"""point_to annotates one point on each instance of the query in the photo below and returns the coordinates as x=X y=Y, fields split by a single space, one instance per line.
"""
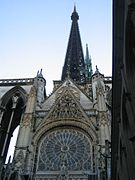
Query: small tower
x=88 y=65
x=74 y=60
x=36 y=97
x=98 y=87
x=40 y=84
x=97 y=83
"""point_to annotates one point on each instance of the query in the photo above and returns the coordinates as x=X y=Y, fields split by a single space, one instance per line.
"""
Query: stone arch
x=15 y=90
x=12 y=108
x=72 y=123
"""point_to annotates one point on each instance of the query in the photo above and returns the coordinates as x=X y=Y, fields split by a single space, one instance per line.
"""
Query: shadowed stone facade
x=123 y=111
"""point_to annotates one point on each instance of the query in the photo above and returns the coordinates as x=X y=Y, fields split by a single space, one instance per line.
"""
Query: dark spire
x=88 y=64
x=74 y=60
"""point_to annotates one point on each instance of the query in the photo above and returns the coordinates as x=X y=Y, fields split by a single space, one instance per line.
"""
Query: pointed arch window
x=13 y=106
x=12 y=144
x=65 y=148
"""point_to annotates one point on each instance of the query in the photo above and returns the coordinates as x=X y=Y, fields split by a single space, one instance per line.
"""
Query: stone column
x=25 y=133
x=15 y=101
x=2 y=110
x=103 y=120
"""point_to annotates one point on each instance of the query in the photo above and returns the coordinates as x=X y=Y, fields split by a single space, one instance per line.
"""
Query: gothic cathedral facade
x=65 y=135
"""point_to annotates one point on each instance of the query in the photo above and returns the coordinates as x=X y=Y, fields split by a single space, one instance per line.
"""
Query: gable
x=84 y=101
x=66 y=107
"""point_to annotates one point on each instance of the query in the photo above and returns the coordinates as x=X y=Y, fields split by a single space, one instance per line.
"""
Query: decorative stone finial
x=39 y=74
x=97 y=70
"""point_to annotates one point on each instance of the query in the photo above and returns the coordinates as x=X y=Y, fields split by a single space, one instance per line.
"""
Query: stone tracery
x=65 y=108
x=66 y=148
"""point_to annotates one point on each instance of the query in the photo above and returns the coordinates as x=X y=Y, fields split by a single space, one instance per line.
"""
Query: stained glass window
x=65 y=149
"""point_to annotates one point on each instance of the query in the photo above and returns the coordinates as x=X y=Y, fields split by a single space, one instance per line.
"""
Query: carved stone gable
x=66 y=107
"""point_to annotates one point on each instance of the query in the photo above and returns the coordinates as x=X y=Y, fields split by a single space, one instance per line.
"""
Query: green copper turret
x=88 y=65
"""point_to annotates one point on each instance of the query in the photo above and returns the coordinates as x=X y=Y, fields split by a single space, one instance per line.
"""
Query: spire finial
x=41 y=71
x=87 y=52
x=97 y=70
x=88 y=64
x=39 y=74
x=74 y=15
x=74 y=7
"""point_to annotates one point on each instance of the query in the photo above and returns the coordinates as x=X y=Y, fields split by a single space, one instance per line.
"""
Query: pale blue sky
x=34 y=35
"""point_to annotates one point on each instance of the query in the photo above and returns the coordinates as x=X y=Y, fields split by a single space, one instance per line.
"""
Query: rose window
x=64 y=149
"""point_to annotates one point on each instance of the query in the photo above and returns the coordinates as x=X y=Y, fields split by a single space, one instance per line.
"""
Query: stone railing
x=108 y=79
x=13 y=82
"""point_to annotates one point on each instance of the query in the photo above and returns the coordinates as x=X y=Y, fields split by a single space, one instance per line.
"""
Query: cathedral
x=63 y=136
